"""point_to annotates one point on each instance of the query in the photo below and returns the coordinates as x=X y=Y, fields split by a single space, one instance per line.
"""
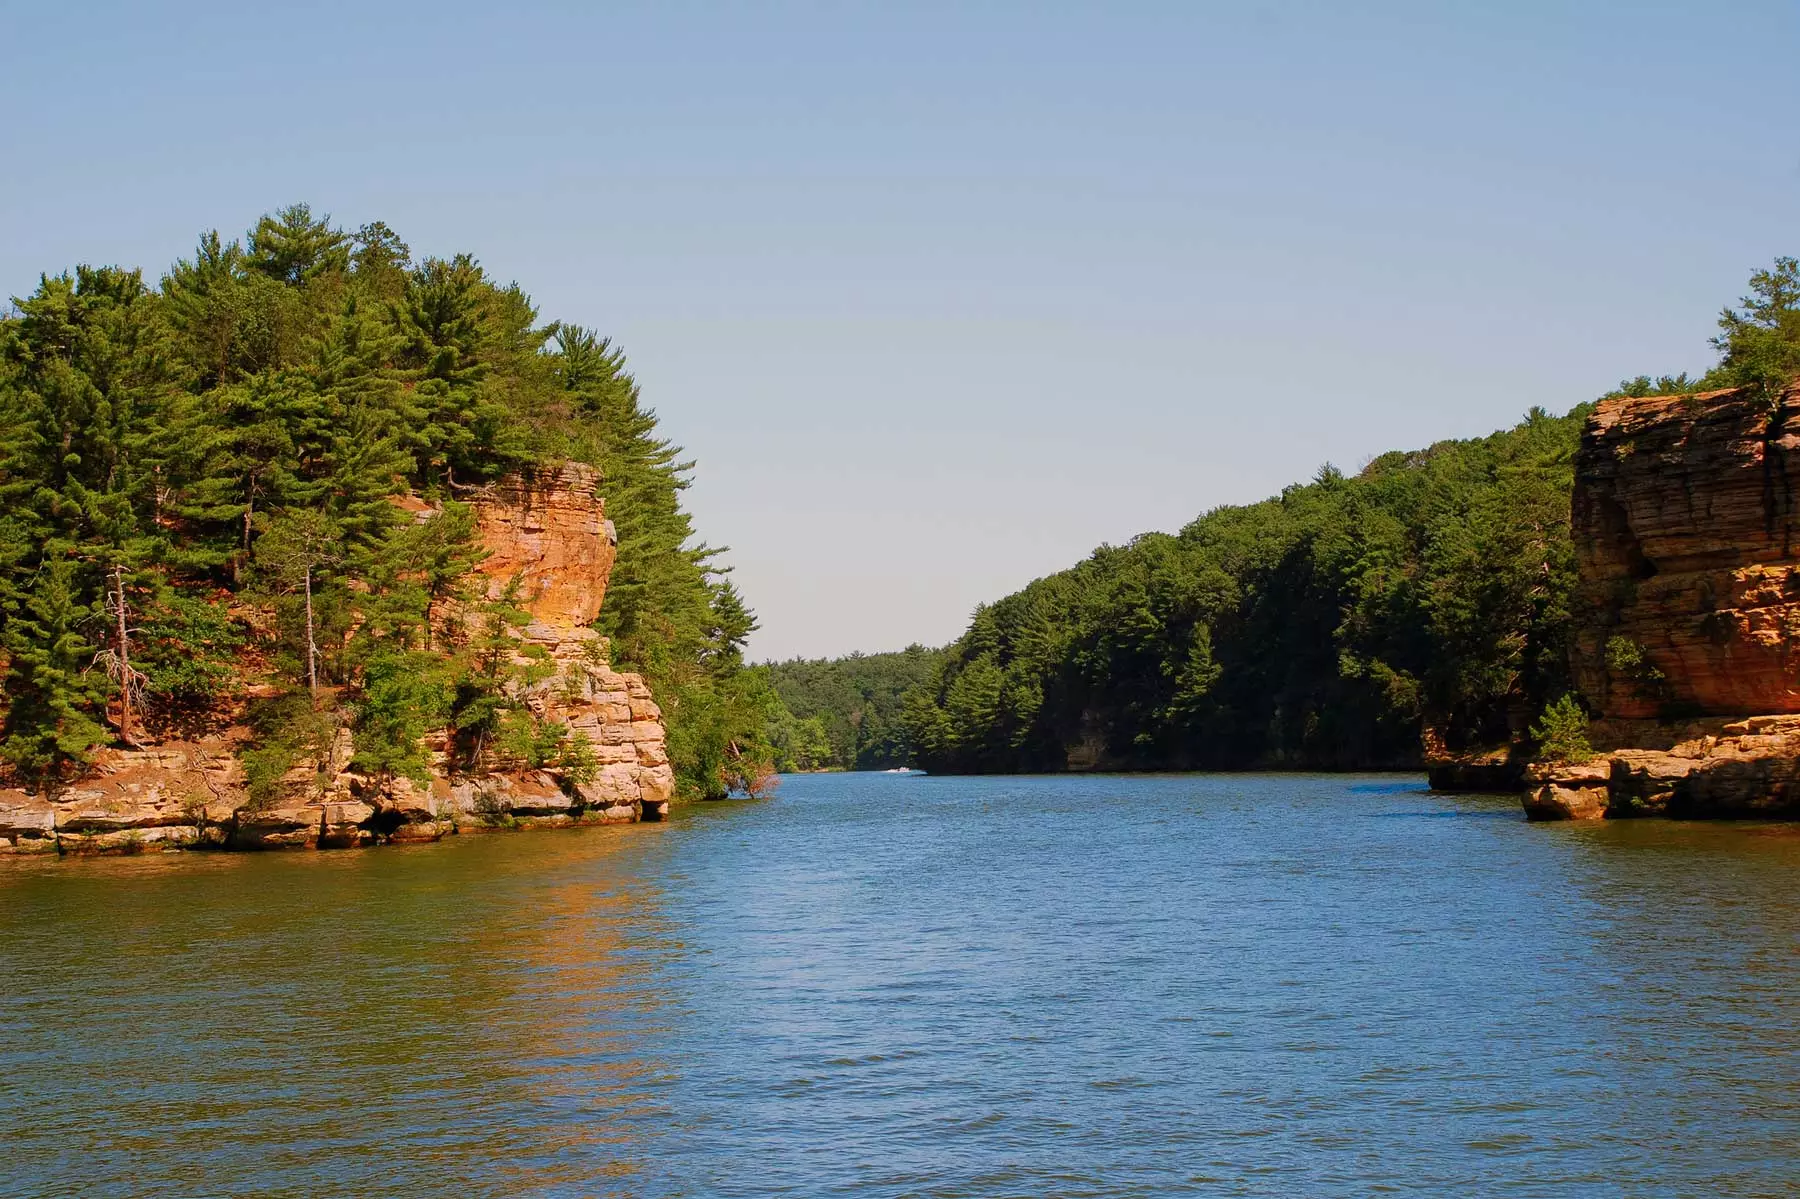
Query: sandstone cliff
x=1688 y=609
x=1684 y=524
x=549 y=532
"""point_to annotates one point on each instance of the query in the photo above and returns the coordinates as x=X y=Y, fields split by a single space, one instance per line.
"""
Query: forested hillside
x=1331 y=626
x=846 y=713
x=196 y=484
x=1317 y=628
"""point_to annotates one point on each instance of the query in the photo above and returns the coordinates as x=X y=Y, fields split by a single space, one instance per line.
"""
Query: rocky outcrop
x=549 y=531
x=1688 y=611
x=547 y=538
x=1747 y=768
x=1685 y=538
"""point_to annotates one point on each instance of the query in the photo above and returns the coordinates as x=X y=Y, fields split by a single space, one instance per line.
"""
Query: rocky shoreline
x=130 y=808
x=547 y=540
x=1737 y=769
x=188 y=795
x=1687 y=611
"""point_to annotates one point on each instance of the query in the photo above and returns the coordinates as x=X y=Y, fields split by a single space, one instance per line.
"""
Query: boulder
x=1571 y=791
x=25 y=815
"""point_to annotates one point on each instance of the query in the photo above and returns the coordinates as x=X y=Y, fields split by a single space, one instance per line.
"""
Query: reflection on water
x=898 y=985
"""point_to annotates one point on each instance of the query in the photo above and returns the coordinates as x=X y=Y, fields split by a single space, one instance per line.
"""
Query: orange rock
x=1687 y=543
x=549 y=529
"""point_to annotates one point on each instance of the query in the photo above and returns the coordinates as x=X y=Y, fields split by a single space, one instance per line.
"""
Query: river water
x=881 y=985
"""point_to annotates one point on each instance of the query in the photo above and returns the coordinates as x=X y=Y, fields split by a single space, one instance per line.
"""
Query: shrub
x=1627 y=659
x=1561 y=732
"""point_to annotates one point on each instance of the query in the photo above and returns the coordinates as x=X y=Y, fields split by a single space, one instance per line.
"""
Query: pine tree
x=51 y=693
x=381 y=261
x=455 y=323
x=293 y=246
x=297 y=550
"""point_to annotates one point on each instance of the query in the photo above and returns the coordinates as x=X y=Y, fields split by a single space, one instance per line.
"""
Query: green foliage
x=799 y=744
x=403 y=697
x=719 y=739
x=846 y=712
x=1759 y=343
x=486 y=692
x=1628 y=659
x=240 y=433
x=188 y=651
x=1664 y=385
x=290 y=731
x=1561 y=732
x=1320 y=628
x=548 y=745
x=51 y=696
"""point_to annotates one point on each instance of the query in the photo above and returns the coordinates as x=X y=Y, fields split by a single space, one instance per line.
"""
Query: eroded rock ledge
x=1743 y=769
x=549 y=532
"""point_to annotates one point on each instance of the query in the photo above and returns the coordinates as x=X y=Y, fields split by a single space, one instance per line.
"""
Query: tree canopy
x=846 y=713
x=197 y=474
x=1327 y=627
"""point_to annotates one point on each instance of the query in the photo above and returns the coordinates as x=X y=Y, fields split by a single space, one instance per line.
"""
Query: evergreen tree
x=1759 y=343
x=185 y=459
x=293 y=246
x=51 y=694
x=297 y=552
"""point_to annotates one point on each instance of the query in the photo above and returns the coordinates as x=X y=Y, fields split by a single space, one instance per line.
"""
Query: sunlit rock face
x=1687 y=610
x=1684 y=516
x=549 y=533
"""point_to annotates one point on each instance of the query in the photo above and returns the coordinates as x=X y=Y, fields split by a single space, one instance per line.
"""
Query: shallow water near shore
x=888 y=985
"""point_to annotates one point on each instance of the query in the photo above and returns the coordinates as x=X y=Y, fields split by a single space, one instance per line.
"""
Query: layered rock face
x=548 y=532
x=1689 y=607
x=1684 y=525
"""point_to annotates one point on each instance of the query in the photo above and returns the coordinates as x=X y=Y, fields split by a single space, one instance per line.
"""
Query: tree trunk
x=124 y=656
x=312 y=650
x=240 y=561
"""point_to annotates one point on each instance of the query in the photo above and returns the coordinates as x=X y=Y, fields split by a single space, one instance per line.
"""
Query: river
x=897 y=985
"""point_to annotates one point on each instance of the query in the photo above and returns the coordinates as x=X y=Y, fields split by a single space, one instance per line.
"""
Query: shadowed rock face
x=550 y=532
x=1685 y=536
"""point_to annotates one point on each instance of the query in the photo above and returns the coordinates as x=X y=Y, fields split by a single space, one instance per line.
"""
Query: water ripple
x=907 y=986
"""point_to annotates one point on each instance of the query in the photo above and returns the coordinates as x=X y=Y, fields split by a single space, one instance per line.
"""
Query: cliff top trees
x=1759 y=343
x=249 y=422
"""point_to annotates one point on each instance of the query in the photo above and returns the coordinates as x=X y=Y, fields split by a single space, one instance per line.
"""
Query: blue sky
x=940 y=296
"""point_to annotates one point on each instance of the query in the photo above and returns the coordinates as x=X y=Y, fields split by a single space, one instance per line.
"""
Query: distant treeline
x=845 y=713
x=1328 y=627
